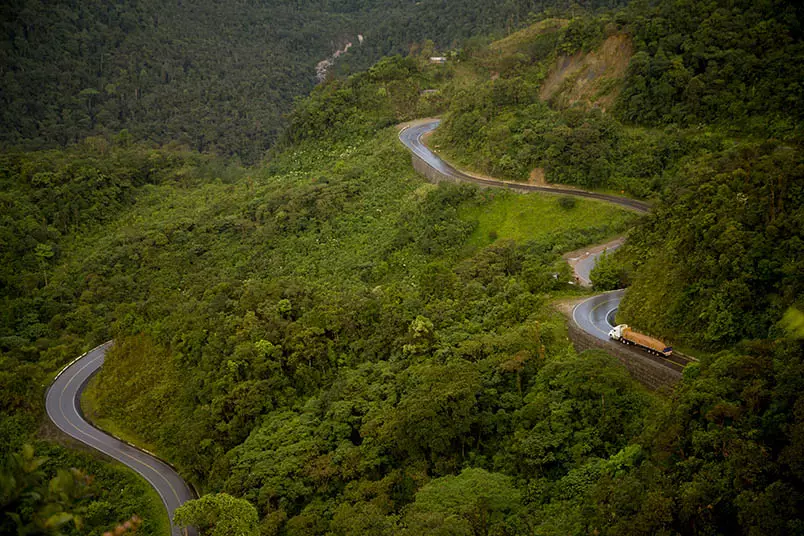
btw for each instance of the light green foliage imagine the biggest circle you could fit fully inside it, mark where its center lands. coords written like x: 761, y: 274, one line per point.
x: 363, y: 518
x: 501, y: 127
x: 139, y: 379
x: 355, y: 351
x: 793, y: 321
x: 532, y: 217
x: 609, y: 273
x: 475, y: 497
x: 38, y: 495
x: 584, y: 148
x: 219, y: 515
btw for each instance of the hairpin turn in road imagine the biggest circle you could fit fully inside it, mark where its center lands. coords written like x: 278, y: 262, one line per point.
x: 63, y: 408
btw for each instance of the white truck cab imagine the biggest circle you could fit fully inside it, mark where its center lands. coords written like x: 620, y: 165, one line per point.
x: 616, y: 333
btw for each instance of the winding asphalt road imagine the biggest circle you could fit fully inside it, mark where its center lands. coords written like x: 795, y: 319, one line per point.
x: 63, y: 408
x: 583, y: 268
x: 596, y: 314
x: 412, y: 134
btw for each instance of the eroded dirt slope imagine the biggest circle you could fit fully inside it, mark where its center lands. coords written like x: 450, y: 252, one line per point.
x: 593, y: 78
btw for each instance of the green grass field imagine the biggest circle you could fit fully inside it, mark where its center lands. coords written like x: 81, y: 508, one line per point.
x: 523, y: 217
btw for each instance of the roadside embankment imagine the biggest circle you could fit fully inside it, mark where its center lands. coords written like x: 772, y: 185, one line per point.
x: 642, y: 366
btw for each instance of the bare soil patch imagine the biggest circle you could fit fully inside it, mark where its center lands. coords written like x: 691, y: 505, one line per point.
x: 592, y: 79
x: 537, y: 177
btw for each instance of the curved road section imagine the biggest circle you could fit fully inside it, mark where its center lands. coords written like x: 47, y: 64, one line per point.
x: 594, y: 315
x: 63, y: 408
x: 412, y: 134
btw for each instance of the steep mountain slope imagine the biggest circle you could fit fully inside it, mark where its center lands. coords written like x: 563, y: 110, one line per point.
x: 722, y: 157
x: 215, y: 76
x: 355, y: 351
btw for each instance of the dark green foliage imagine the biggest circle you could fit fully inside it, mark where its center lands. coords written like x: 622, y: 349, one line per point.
x: 721, y: 258
x: 725, y: 458
x: 737, y: 64
x: 217, y: 77
x: 155, y: 69
x: 48, y: 195
x: 40, y: 496
x: 32, y: 503
x: 578, y: 409
x: 321, y: 337
x: 567, y: 203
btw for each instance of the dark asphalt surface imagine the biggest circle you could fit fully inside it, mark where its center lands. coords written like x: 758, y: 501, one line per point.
x: 411, y: 136
x: 596, y: 314
x: 63, y: 408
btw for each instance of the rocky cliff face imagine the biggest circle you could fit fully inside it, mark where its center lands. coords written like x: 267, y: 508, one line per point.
x: 323, y: 66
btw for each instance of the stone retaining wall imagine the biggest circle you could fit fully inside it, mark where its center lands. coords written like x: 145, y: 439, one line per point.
x: 433, y: 175
x: 640, y: 365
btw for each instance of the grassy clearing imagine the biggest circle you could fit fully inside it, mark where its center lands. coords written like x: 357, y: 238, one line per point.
x: 518, y: 40
x: 522, y: 217
x: 89, y: 406
x: 158, y: 522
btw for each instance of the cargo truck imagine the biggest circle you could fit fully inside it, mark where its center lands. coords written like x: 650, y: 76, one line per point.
x: 626, y: 335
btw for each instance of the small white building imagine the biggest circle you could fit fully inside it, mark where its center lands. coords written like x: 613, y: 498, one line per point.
x: 438, y: 59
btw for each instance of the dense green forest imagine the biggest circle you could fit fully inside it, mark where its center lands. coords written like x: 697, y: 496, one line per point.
x: 736, y: 221
x: 213, y: 76
x: 676, y: 78
x: 352, y: 350
x: 719, y: 150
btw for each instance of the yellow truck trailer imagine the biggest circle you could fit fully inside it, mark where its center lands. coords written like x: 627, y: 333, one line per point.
x: 626, y: 335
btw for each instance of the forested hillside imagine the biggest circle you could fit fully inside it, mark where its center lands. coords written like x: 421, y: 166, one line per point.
x: 353, y: 350
x: 694, y: 73
x: 214, y: 76
x: 704, y: 116
x: 721, y: 259
x: 239, y: 302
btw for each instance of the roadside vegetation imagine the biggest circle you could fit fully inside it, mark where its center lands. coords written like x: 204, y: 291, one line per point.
x: 502, y: 215
x: 352, y: 350
x: 39, y: 495
x: 621, y: 101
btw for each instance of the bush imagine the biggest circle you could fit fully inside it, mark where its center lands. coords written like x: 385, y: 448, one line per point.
x: 608, y: 273
x: 567, y: 203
